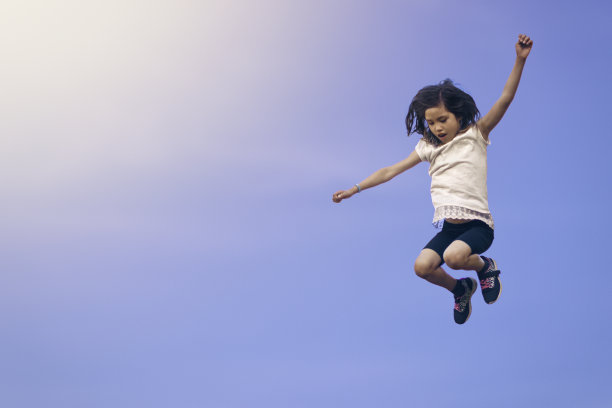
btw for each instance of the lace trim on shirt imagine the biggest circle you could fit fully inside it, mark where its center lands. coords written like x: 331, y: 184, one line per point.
x: 461, y: 213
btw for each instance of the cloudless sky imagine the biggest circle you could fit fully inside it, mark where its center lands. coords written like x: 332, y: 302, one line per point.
x: 168, y: 235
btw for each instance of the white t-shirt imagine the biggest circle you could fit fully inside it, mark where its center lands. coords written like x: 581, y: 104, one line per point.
x: 458, y: 171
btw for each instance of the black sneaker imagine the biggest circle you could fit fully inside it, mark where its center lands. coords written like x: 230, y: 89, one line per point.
x: 463, y: 303
x: 489, y: 281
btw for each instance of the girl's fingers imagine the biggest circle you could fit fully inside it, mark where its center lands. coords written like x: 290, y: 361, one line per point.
x: 524, y: 39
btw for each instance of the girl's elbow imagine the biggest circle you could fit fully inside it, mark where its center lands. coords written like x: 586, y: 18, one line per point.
x: 388, y: 173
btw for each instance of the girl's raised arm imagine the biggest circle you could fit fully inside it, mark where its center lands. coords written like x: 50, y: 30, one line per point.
x: 378, y: 177
x: 491, y: 119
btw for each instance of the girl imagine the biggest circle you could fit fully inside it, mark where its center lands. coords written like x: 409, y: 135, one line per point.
x: 454, y: 142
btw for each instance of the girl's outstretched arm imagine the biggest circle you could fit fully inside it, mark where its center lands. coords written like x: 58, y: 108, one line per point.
x: 491, y: 119
x: 378, y: 177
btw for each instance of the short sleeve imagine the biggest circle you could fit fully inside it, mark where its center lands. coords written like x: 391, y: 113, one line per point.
x: 423, y: 150
x: 480, y: 136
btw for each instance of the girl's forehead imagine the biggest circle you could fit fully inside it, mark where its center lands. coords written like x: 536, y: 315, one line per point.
x: 435, y: 112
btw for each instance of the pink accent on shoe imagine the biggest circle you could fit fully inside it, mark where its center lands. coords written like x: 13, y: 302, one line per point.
x: 487, y: 283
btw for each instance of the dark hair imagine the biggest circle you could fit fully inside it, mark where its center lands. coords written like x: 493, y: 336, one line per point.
x: 454, y: 99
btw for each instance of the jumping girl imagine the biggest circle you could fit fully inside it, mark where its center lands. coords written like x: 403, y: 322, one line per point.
x: 454, y: 142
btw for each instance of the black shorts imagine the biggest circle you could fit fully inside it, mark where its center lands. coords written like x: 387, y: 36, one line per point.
x: 477, y: 234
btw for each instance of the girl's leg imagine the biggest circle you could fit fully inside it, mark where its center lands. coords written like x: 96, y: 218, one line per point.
x: 459, y: 255
x: 463, y: 252
x: 427, y: 266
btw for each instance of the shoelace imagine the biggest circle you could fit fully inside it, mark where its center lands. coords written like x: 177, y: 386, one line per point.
x: 487, y: 283
x: 462, y: 301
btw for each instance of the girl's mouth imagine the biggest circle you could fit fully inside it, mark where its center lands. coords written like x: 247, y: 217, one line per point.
x: 442, y: 135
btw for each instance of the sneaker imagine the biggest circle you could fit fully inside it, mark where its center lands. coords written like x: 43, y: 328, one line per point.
x: 463, y: 303
x: 489, y: 281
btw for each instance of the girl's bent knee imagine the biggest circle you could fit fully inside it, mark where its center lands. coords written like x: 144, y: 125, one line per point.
x: 423, y: 269
x: 454, y: 261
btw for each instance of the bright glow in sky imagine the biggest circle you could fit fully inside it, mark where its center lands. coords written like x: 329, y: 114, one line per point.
x: 169, y: 237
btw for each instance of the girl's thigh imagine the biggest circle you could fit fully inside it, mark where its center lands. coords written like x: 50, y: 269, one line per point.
x: 479, y: 238
x: 440, y: 242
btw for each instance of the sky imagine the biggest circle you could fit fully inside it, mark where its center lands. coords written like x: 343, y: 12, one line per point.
x: 168, y: 234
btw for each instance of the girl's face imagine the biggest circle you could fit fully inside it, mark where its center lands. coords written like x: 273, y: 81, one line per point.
x: 442, y: 123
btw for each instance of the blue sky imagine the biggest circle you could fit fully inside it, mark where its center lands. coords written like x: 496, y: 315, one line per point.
x: 169, y: 235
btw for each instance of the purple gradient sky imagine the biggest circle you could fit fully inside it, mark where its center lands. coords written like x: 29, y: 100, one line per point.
x: 169, y: 238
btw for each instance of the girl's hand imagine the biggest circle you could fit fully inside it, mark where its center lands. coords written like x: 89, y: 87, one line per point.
x: 523, y: 46
x: 341, y: 195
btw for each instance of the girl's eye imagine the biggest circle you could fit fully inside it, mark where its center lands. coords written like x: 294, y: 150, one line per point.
x: 443, y: 120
